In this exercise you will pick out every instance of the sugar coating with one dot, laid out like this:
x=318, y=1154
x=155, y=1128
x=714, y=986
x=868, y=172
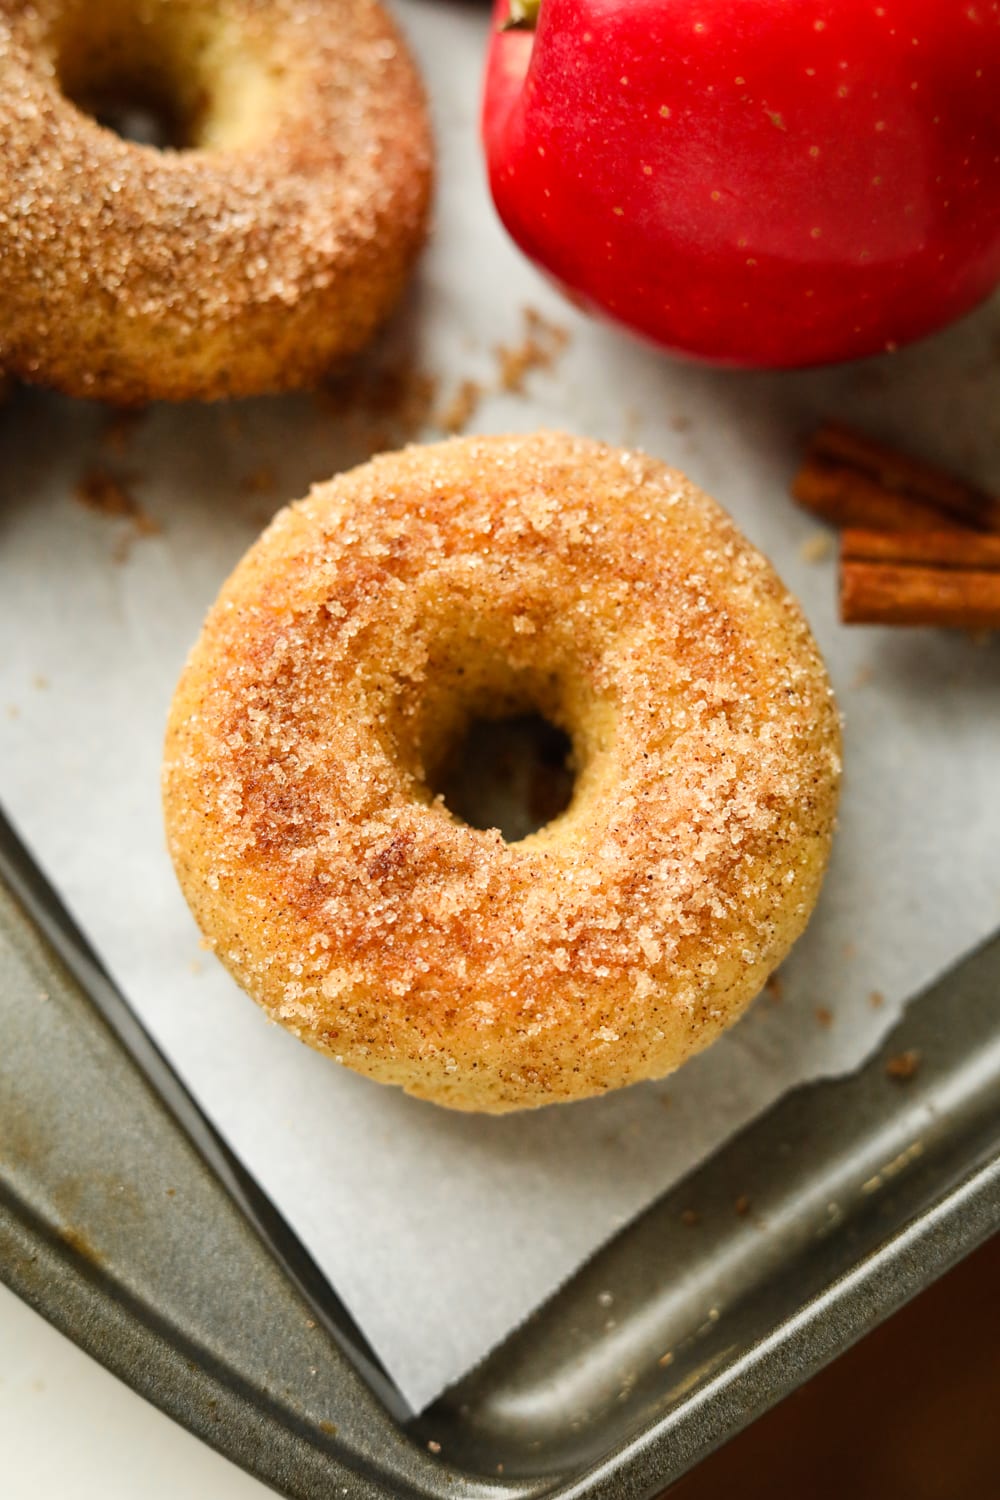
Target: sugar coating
x=479, y=577
x=249, y=263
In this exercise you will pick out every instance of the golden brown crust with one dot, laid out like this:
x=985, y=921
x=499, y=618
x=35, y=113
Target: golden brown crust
x=484, y=575
x=247, y=264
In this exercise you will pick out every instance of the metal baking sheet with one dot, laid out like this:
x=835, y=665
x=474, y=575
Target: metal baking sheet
x=123, y=1221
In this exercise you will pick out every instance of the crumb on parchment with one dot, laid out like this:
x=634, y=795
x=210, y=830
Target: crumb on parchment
x=108, y=494
x=816, y=548
x=458, y=411
x=541, y=344
x=903, y=1066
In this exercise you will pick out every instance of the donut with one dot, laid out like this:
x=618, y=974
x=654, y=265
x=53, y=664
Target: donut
x=274, y=243
x=478, y=579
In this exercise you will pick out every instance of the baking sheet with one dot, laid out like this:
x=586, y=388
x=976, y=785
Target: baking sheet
x=441, y=1232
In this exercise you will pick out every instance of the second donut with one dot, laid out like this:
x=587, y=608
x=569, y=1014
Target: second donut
x=271, y=238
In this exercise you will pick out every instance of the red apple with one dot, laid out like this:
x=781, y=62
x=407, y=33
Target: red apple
x=754, y=182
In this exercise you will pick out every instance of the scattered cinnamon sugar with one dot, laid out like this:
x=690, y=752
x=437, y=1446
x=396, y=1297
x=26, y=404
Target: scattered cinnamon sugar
x=394, y=401
x=391, y=402
x=863, y=676
x=119, y=428
x=742, y=1205
x=691, y=1217
x=432, y=1446
x=824, y=1016
x=680, y=423
x=460, y=408
x=774, y=989
x=259, y=481
x=106, y=494
x=666, y=1359
x=816, y=548
x=541, y=344
x=876, y=999
x=99, y=490
x=903, y=1066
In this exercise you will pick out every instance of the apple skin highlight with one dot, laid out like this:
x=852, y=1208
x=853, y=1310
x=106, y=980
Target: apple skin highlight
x=770, y=183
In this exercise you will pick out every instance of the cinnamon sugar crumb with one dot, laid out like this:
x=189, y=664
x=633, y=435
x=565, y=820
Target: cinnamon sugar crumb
x=876, y=999
x=458, y=411
x=824, y=1017
x=259, y=481
x=903, y=1066
x=388, y=402
x=104, y=493
x=742, y=1205
x=542, y=343
x=119, y=428
x=690, y=1217
x=774, y=989
x=816, y=548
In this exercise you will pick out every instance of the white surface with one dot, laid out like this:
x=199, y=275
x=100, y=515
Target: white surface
x=441, y=1232
x=71, y=1431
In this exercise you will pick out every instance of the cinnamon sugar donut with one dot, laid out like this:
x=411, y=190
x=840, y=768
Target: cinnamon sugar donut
x=484, y=577
x=249, y=262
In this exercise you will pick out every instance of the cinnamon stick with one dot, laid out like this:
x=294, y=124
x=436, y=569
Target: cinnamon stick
x=943, y=578
x=851, y=481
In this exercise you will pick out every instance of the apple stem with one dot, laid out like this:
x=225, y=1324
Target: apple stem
x=522, y=16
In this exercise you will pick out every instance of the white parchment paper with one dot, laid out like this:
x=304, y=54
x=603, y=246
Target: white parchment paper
x=442, y=1232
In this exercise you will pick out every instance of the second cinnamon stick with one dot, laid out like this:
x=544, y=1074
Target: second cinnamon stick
x=946, y=579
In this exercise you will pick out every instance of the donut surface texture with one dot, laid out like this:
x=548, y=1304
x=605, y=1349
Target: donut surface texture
x=480, y=578
x=250, y=262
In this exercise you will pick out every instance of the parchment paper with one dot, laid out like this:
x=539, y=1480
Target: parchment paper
x=442, y=1232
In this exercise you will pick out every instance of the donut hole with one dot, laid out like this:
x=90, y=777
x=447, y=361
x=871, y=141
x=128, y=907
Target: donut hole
x=135, y=114
x=513, y=773
x=162, y=74
x=504, y=731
